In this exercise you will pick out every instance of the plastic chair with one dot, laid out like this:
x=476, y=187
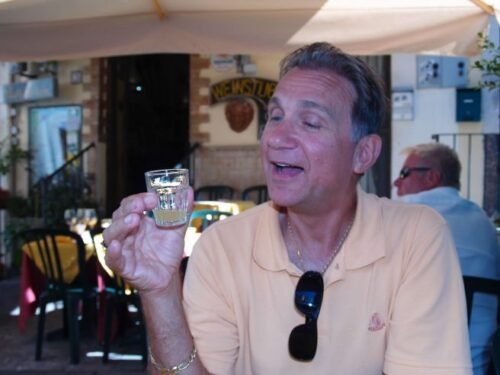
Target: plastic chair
x=214, y=192
x=206, y=217
x=474, y=285
x=46, y=245
x=480, y=285
x=257, y=193
x=117, y=293
x=496, y=351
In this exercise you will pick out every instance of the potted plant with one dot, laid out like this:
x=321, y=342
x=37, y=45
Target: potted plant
x=18, y=207
x=10, y=155
x=489, y=64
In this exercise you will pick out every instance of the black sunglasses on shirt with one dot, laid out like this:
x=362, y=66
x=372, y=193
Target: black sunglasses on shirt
x=303, y=339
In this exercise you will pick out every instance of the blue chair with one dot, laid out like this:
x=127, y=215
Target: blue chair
x=201, y=219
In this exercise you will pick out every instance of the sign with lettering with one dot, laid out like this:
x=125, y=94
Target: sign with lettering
x=258, y=89
x=29, y=91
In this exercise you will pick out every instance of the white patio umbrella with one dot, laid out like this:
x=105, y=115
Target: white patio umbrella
x=64, y=29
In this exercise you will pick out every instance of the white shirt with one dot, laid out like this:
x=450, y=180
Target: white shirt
x=477, y=247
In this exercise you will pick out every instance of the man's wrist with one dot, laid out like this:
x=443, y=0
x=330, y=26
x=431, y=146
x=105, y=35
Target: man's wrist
x=176, y=369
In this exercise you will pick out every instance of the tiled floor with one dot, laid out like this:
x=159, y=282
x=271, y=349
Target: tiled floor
x=17, y=351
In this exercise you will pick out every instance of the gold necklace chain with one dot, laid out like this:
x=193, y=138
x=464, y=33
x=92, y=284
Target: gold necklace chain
x=291, y=231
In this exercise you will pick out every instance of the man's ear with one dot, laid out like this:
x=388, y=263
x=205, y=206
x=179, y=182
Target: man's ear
x=433, y=179
x=366, y=153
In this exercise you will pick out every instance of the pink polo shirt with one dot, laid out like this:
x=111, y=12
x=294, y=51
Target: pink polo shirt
x=393, y=300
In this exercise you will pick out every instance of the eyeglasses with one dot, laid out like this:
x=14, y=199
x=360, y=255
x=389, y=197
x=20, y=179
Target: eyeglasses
x=303, y=339
x=406, y=171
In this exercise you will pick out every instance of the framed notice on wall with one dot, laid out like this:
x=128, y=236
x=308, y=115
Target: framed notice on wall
x=54, y=137
x=402, y=105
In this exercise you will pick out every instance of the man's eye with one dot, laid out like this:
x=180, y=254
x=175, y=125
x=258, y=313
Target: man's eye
x=312, y=125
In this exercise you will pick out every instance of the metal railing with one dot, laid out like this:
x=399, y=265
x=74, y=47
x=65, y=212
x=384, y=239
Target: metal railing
x=66, y=185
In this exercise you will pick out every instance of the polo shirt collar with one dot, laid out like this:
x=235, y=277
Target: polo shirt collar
x=269, y=250
x=364, y=245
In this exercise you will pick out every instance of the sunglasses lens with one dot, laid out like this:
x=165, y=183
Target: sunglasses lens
x=303, y=341
x=309, y=294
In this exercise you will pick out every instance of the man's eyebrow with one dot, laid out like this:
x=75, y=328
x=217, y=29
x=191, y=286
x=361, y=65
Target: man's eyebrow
x=305, y=104
x=315, y=105
x=274, y=100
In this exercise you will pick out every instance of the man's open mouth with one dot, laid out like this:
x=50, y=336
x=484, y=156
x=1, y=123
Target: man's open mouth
x=288, y=169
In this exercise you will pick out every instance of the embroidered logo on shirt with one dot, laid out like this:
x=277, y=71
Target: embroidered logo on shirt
x=376, y=323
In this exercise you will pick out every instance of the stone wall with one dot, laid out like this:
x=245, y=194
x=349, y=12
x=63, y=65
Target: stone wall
x=236, y=166
x=239, y=167
x=198, y=92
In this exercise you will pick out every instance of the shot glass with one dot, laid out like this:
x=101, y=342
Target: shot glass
x=171, y=186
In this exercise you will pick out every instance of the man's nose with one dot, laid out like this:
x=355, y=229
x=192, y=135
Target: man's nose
x=397, y=182
x=280, y=135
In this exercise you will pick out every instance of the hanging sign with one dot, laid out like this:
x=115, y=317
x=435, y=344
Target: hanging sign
x=259, y=90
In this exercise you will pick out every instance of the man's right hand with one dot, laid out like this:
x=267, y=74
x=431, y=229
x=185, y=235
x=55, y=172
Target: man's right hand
x=145, y=255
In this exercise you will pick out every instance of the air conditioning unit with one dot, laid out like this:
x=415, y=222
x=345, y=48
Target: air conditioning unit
x=17, y=68
x=32, y=69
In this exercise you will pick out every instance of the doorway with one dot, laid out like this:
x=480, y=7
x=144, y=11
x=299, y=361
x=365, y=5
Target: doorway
x=147, y=104
x=379, y=175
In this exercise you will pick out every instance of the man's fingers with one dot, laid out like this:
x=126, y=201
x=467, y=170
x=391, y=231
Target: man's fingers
x=121, y=227
x=136, y=203
x=113, y=256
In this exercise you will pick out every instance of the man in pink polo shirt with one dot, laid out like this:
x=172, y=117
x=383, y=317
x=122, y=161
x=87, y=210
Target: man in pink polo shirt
x=322, y=279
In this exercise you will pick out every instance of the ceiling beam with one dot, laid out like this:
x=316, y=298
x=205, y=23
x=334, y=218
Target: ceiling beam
x=159, y=10
x=485, y=7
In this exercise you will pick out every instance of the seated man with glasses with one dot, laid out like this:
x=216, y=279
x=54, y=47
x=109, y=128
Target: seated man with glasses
x=322, y=279
x=431, y=176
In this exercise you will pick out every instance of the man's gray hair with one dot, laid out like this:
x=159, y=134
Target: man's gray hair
x=440, y=157
x=369, y=105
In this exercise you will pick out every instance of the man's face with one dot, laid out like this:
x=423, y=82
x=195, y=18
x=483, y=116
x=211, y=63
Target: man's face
x=416, y=180
x=306, y=146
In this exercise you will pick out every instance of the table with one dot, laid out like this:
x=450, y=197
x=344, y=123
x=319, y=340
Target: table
x=69, y=259
x=226, y=205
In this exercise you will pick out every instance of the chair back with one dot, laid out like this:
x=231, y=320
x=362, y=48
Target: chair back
x=214, y=192
x=115, y=289
x=44, y=246
x=257, y=193
x=474, y=285
x=61, y=255
x=496, y=351
x=201, y=219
